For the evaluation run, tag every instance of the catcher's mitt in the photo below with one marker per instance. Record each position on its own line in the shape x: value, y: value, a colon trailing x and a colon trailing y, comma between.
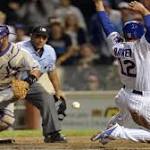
x: 20, y: 88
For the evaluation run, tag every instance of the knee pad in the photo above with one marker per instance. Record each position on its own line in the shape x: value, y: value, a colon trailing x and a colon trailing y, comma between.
x: 6, y: 120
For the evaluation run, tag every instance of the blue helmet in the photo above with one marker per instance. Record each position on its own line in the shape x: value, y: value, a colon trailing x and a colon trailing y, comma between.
x: 133, y: 30
x: 3, y: 31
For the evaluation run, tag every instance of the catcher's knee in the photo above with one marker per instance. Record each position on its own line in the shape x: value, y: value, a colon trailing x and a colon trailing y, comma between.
x: 6, y: 120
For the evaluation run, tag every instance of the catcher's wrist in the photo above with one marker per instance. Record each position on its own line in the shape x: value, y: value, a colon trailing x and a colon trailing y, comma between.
x: 31, y: 79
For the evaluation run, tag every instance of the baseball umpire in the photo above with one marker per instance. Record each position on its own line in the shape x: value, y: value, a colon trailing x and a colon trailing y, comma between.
x: 133, y: 55
x: 13, y: 60
x: 37, y: 95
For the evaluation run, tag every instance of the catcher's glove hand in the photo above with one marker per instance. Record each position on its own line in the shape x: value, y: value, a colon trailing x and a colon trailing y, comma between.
x: 20, y: 88
x: 61, y: 107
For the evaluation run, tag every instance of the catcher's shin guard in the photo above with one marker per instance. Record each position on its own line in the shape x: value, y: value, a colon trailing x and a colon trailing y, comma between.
x: 6, y: 120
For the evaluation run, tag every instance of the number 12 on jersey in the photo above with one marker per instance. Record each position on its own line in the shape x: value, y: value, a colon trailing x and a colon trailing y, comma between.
x: 128, y: 67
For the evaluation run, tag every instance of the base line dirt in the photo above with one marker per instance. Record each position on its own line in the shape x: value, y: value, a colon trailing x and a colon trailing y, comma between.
x: 74, y: 143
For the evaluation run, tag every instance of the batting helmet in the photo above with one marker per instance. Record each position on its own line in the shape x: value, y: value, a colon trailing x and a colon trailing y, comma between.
x: 3, y: 31
x: 133, y: 30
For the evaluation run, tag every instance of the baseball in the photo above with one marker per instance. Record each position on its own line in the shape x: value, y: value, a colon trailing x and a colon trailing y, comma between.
x: 76, y: 105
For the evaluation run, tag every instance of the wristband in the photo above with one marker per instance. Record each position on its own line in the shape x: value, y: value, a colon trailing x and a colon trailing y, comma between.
x: 31, y: 79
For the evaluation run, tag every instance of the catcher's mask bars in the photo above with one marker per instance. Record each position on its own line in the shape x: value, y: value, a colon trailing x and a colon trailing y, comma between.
x: 4, y: 31
x: 133, y: 30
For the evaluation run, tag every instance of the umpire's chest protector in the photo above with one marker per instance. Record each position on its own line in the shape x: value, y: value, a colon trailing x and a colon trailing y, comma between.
x: 47, y: 60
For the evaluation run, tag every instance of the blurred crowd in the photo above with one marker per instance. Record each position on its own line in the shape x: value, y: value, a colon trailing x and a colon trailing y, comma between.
x: 78, y: 39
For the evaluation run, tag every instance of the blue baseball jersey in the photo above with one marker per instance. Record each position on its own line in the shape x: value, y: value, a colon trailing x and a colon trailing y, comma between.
x: 47, y: 60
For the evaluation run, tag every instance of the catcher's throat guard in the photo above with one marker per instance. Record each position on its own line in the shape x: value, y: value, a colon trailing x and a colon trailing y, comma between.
x: 6, y: 120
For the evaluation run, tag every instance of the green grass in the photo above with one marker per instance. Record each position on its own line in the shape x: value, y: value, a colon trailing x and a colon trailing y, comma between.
x: 38, y: 133
x: 84, y: 132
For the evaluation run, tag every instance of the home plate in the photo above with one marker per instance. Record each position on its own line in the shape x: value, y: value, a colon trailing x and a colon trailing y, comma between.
x: 5, y: 141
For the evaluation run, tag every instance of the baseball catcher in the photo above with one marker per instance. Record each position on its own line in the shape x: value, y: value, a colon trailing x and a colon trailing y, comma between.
x: 13, y: 61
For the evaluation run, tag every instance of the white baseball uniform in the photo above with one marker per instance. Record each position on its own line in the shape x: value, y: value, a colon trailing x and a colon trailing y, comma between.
x: 134, y: 73
x: 12, y: 61
x: 134, y: 98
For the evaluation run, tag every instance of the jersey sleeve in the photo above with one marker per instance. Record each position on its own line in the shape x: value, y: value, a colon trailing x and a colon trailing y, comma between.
x: 28, y: 61
x: 114, y: 40
x: 144, y: 43
x: 147, y: 26
x: 106, y: 23
x: 52, y: 59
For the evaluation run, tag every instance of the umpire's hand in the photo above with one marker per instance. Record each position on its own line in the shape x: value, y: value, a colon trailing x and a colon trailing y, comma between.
x: 60, y: 107
x: 59, y: 94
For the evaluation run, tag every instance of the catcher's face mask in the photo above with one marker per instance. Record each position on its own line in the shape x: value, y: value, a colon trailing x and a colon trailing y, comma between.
x: 3, y: 33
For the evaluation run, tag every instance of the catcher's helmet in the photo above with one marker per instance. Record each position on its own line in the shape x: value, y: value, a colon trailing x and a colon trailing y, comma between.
x: 3, y: 31
x: 133, y: 30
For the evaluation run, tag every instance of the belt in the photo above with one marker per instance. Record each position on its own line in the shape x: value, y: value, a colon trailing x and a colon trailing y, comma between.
x: 135, y: 91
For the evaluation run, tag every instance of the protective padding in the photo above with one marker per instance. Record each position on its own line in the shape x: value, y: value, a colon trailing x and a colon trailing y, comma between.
x: 6, y: 120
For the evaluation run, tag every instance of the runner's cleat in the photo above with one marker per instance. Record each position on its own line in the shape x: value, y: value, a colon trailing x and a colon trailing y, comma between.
x: 105, y: 136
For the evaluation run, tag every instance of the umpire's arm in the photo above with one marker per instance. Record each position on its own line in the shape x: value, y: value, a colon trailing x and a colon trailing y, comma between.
x: 53, y: 76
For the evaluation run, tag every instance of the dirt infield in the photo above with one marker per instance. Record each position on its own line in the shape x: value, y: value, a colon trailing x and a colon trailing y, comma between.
x: 74, y: 143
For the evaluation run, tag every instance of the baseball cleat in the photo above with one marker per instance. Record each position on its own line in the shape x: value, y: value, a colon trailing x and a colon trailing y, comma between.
x: 105, y: 136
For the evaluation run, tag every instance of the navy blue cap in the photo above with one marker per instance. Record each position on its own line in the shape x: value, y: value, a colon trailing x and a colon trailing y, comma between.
x: 40, y: 30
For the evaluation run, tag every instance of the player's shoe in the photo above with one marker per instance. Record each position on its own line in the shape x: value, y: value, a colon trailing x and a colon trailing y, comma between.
x: 55, y: 138
x: 105, y: 136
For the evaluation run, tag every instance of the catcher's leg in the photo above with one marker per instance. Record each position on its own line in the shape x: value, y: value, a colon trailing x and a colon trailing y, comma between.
x: 6, y: 113
x: 40, y: 98
x: 6, y: 121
